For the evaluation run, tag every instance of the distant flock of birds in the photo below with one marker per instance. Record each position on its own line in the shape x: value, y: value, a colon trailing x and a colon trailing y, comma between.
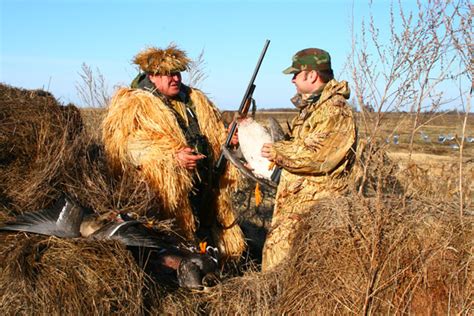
x: 442, y: 139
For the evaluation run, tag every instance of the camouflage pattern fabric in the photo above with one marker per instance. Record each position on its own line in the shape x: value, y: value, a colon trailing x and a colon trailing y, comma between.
x: 309, y: 59
x: 316, y: 164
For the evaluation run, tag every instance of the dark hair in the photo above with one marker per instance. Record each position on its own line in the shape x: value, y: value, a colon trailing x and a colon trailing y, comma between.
x: 326, y: 75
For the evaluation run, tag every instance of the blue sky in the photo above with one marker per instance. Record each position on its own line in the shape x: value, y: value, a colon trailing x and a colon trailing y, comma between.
x: 44, y: 43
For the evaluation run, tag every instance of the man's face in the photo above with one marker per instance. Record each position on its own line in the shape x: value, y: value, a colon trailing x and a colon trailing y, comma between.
x: 168, y: 85
x: 302, y: 82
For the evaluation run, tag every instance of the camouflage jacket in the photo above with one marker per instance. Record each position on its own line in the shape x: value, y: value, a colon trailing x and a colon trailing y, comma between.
x: 317, y: 158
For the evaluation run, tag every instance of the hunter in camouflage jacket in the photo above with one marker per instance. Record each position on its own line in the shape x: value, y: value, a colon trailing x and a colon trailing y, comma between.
x: 315, y: 163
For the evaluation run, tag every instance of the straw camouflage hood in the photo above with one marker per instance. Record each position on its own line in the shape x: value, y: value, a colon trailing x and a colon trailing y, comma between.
x: 162, y: 61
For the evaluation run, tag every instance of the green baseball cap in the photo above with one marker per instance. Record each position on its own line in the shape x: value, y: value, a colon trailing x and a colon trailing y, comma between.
x: 309, y: 59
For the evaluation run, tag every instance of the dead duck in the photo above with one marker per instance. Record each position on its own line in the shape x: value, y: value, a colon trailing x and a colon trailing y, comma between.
x: 252, y: 135
x: 198, y: 269
x: 66, y: 219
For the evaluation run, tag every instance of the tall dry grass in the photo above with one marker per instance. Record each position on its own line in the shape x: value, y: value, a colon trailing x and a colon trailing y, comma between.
x: 400, y: 241
x: 361, y: 257
x: 385, y: 247
x: 37, y: 140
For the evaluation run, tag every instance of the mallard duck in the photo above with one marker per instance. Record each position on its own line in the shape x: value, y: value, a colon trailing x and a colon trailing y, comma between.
x: 66, y: 217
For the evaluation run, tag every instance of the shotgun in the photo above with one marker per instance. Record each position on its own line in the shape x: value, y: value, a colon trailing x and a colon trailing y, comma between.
x: 243, y: 110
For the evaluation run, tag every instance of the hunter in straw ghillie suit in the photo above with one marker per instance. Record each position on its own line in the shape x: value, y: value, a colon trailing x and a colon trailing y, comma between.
x: 171, y: 135
x: 317, y: 159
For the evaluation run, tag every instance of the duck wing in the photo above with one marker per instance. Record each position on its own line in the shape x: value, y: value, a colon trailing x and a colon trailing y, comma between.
x: 276, y: 131
x: 62, y: 220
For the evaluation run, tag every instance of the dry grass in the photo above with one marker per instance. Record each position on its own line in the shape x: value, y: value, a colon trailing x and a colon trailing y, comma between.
x: 46, y: 150
x: 36, y: 143
x: 395, y: 244
x: 93, y: 118
x: 47, y: 275
x: 382, y: 256
x: 358, y: 255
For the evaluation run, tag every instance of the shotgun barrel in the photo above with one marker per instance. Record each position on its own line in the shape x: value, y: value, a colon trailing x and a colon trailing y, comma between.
x: 243, y: 110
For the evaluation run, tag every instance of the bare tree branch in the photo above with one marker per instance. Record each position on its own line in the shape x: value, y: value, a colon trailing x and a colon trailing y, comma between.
x: 92, y: 89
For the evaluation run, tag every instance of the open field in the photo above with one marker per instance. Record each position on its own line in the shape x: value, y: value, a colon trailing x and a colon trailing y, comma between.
x: 434, y: 160
x: 428, y: 152
x: 398, y: 242
x: 426, y: 138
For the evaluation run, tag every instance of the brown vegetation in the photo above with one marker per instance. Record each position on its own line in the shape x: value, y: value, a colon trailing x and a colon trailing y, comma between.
x: 399, y: 242
x: 394, y: 244
x: 36, y: 145
x: 46, y: 150
x: 359, y: 256
x: 51, y: 276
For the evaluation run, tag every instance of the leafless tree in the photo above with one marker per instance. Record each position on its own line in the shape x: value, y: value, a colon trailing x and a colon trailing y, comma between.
x: 459, y: 27
x: 424, y: 54
x: 414, y: 64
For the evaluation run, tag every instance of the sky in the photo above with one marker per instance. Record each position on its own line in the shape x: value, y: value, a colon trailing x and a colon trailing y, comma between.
x: 44, y: 43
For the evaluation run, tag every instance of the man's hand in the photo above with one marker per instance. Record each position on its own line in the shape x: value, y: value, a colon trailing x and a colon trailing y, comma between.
x: 268, y: 151
x: 235, y: 138
x: 188, y: 158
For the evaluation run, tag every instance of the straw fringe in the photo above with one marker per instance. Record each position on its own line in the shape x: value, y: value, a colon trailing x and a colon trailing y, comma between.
x: 211, y: 125
x: 229, y: 237
x: 140, y: 131
x: 162, y: 61
x: 152, y: 148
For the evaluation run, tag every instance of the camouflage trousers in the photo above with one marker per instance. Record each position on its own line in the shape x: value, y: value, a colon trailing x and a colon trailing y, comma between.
x: 286, y: 222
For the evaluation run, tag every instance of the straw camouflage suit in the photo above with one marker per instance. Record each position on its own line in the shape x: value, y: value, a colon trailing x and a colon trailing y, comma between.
x: 315, y: 162
x: 143, y: 130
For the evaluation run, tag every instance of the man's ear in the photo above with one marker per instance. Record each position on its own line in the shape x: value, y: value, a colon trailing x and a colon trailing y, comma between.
x: 313, y: 76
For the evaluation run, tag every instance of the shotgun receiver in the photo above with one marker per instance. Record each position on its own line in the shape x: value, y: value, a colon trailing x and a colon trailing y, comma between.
x: 243, y: 110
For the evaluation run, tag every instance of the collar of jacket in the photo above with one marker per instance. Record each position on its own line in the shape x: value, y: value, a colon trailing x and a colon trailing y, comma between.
x: 331, y: 88
x: 301, y: 101
x: 313, y: 101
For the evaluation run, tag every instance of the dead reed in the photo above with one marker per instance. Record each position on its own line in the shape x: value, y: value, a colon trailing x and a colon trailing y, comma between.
x: 359, y: 255
x: 37, y: 140
x: 51, y: 276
